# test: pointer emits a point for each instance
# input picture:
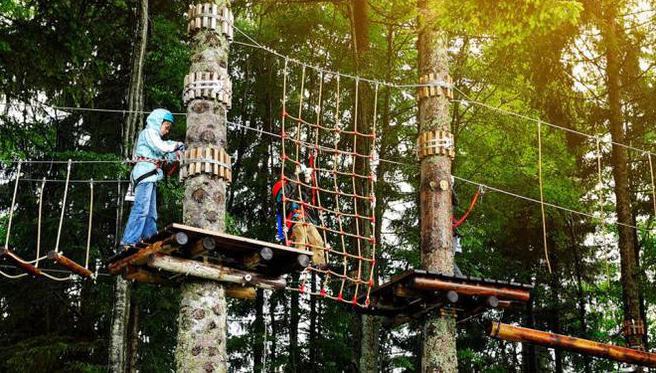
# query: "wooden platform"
(179, 250)
(413, 294)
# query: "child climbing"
(300, 220)
(150, 153)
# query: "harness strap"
(144, 176)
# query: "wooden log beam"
(214, 272)
(71, 265)
(472, 290)
(29, 268)
(141, 257)
(264, 255)
(622, 354)
(147, 277)
(203, 246)
(240, 292)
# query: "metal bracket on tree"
(208, 160)
(435, 87)
(210, 17)
(208, 85)
(435, 142)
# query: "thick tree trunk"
(439, 333)
(202, 322)
(627, 244)
(119, 334)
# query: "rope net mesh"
(328, 161)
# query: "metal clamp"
(208, 85)
(434, 87)
(435, 142)
(208, 160)
(210, 16)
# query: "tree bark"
(273, 302)
(133, 346)
(294, 320)
(259, 340)
(135, 93)
(119, 334)
(118, 359)
(556, 289)
(369, 326)
(202, 322)
(439, 332)
(578, 270)
(627, 244)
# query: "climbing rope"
(11, 217)
(341, 216)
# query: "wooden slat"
(68, 263)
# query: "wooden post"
(202, 321)
(439, 332)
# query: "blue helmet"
(168, 116)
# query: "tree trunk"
(369, 326)
(202, 322)
(439, 332)
(627, 244)
(135, 94)
(294, 320)
(274, 334)
(118, 356)
(556, 289)
(312, 363)
(119, 334)
(259, 340)
(133, 346)
(578, 270)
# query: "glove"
(180, 146)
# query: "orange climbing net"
(327, 170)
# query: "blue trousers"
(142, 223)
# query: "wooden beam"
(141, 257)
(622, 354)
(240, 292)
(473, 290)
(214, 272)
(264, 255)
(71, 265)
(147, 277)
(29, 268)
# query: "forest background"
(543, 59)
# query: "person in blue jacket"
(150, 152)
